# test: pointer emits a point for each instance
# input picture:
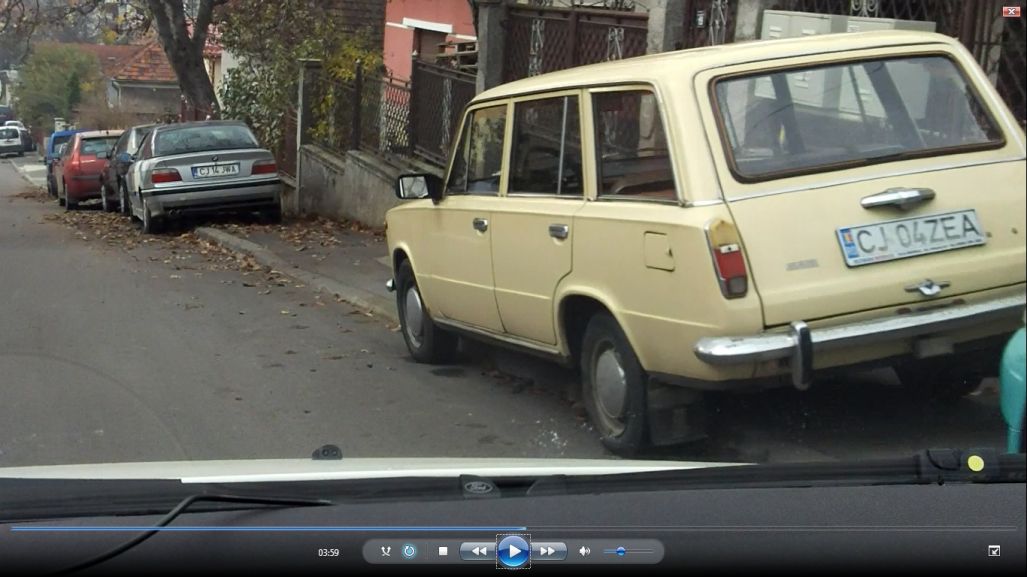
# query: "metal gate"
(996, 42)
(542, 39)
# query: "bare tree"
(183, 39)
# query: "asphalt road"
(132, 349)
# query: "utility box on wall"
(809, 87)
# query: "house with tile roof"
(144, 85)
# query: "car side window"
(546, 148)
(632, 153)
(479, 156)
(146, 148)
(122, 143)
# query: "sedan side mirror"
(124, 158)
(419, 185)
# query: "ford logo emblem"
(478, 487)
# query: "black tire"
(69, 205)
(944, 379)
(151, 225)
(426, 342)
(606, 354)
(124, 202)
(273, 215)
(50, 188)
(106, 204)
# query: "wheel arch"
(574, 309)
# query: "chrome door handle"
(559, 231)
(903, 198)
(480, 224)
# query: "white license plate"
(216, 170)
(907, 237)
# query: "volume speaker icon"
(584, 551)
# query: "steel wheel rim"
(610, 388)
(413, 314)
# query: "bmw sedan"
(202, 167)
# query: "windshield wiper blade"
(179, 509)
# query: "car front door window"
(479, 159)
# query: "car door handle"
(903, 198)
(480, 224)
(559, 231)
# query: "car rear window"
(59, 140)
(802, 120)
(9, 133)
(203, 138)
(96, 146)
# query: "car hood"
(268, 470)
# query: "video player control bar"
(480, 550)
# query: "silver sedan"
(202, 167)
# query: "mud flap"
(675, 414)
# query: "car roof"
(66, 132)
(652, 68)
(87, 134)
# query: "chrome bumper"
(801, 342)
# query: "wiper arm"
(179, 509)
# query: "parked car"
(52, 144)
(11, 142)
(202, 167)
(6, 113)
(745, 216)
(1013, 388)
(28, 144)
(121, 157)
(77, 171)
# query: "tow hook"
(390, 285)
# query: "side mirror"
(124, 158)
(419, 185)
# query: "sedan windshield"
(804, 120)
(203, 138)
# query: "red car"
(78, 168)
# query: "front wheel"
(613, 386)
(124, 203)
(426, 342)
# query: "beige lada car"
(727, 218)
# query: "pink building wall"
(403, 19)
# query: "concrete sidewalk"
(330, 257)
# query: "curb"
(358, 297)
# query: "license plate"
(908, 237)
(216, 170)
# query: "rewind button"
(478, 551)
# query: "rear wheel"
(106, 203)
(426, 342)
(613, 386)
(151, 225)
(69, 204)
(944, 379)
(273, 215)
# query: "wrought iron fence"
(543, 39)
(709, 22)
(383, 120)
(438, 97)
(996, 42)
(285, 151)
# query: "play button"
(513, 552)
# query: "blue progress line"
(57, 528)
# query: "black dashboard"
(952, 528)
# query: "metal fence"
(996, 42)
(709, 22)
(544, 39)
(438, 97)
(285, 151)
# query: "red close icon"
(1011, 11)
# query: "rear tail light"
(264, 167)
(728, 260)
(162, 175)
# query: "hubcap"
(413, 314)
(610, 390)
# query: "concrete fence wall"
(354, 185)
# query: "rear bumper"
(256, 196)
(11, 148)
(800, 343)
(83, 186)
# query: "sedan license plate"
(908, 237)
(216, 170)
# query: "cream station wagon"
(723, 218)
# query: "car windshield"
(202, 138)
(802, 120)
(59, 140)
(97, 146)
